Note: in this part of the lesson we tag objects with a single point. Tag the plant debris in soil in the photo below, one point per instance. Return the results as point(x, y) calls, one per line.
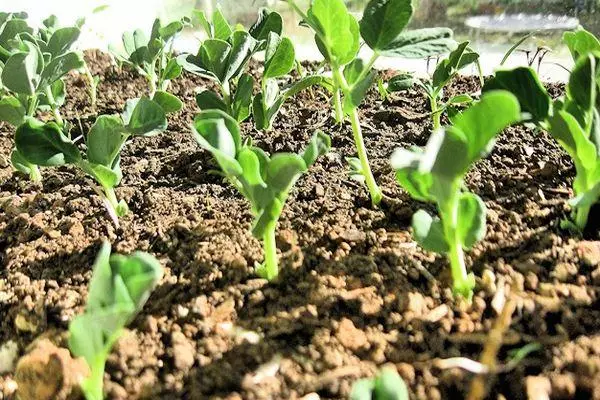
point(355, 291)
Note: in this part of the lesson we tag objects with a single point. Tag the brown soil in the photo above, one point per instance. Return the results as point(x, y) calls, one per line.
point(355, 291)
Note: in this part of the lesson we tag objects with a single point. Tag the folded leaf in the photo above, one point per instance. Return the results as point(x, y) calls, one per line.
point(429, 232)
point(45, 144)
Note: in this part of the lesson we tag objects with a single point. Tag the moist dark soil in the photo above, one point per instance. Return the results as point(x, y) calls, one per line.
point(355, 291)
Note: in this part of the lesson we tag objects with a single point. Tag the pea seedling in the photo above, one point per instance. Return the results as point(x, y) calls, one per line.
point(224, 57)
point(46, 144)
point(119, 288)
point(152, 57)
point(387, 385)
point(337, 34)
point(436, 174)
point(574, 120)
point(264, 181)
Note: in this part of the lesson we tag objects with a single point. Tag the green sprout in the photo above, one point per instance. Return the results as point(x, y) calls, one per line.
point(265, 181)
point(573, 120)
point(436, 174)
point(224, 57)
point(45, 144)
point(152, 57)
point(337, 34)
point(119, 288)
point(387, 385)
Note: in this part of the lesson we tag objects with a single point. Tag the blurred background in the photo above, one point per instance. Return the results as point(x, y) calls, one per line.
point(493, 26)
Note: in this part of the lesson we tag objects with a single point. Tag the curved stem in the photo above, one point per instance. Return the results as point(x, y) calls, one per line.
point(374, 190)
point(32, 105)
point(581, 217)
point(34, 173)
point(52, 102)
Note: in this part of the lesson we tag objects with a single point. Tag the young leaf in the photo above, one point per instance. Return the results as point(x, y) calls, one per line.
point(242, 98)
point(221, 28)
point(471, 226)
point(581, 42)
point(168, 102)
point(45, 144)
point(147, 118)
point(383, 21)
point(62, 40)
point(105, 140)
point(59, 67)
point(279, 58)
point(421, 43)
point(267, 22)
point(429, 232)
point(12, 111)
point(20, 73)
point(208, 100)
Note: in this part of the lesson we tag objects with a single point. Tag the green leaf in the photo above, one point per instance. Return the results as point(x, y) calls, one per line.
point(279, 58)
point(461, 99)
point(172, 70)
point(12, 111)
point(243, 98)
point(251, 167)
point(319, 145)
point(12, 29)
point(106, 176)
point(283, 170)
point(267, 22)
point(523, 83)
point(358, 92)
point(58, 93)
point(484, 120)
point(337, 28)
point(59, 67)
point(169, 31)
point(406, 163)
point(362, 389)
point(105, 140)
point(45, 144)
point(581, 42)
point(168, 102)
point(448, 67)
point(19, 162)
point(354, 70)
point(383, 21)
point(582, 87)
point(147, 118)
point(400, 82)
point(221, 28)
point(209, 100)
point(20, 73)
point(243, 46)
point(429, 232)
point(471, 219)
point(266, 216)
point(213, 56)
point(389, 386)
point(62, 40)
point(421, 43)
point(571, 136)
point(219, 133)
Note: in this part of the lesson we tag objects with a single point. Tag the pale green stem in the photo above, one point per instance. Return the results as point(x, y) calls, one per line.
point(337, 102)
point(52, 102)
point(34, 173)
point(93, 385)
point(226, 92)
point(93, 87)
point(32, 105)
point(581, 217)
point(271, 269)
point(436, 113)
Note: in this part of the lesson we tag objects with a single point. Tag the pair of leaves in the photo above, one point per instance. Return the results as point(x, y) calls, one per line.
point(119, 288)
point(436, 172)
point(217, 27)
point(220, 59)
point(265, 181)
point(447, 69)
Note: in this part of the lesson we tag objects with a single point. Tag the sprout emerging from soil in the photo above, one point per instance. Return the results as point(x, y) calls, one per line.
point(338, 33)
point(573, 120)
point(265, 181)
point(436, 174)
point(118, 290)
point(387, 385)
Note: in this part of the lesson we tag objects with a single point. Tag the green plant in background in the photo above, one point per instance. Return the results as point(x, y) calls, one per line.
point(265, 181)
point(444, 73)
point(573, 120)
point(436, 174)
point(32, 75)
point(152, 57)
point(337, 34)
point(224, 57)
point(45, 144)
point(119, 288)
point(387, 385)
point(398, 83)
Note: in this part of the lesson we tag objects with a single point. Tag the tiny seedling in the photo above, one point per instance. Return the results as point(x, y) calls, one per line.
point(46, 144)
point(387, 385)
point(224, 57)
point(436, 174)
point(398, 83)
point(152, 57)
point(574, 120)
point(280, 60)
point(444, 73)
point(265, 181)
point(337, 35)
point(119, 288)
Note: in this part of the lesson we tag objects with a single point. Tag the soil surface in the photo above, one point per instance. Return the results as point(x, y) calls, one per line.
point(355, 292)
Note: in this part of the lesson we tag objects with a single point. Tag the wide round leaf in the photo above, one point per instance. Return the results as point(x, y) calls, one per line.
point(45, 144)
point(20, 73)
point(383, 21)
point(62, 40)
point(105, 140)
point(429, 232)
point(169, 102)
point(147, 118)
point(280, 56)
